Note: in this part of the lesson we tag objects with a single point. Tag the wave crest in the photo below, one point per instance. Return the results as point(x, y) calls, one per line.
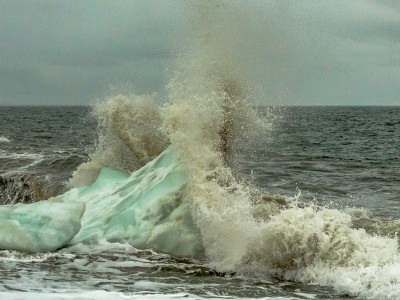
point(129, 136)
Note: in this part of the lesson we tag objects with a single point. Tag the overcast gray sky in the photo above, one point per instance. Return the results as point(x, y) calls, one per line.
point(309, 52)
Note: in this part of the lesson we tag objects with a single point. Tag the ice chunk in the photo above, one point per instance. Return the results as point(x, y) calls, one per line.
point(39, 227)
point(146, 209)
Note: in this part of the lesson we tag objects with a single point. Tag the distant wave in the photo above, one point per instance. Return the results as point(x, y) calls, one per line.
point(3, 139)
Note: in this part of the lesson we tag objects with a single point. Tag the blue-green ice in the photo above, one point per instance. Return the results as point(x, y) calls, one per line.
point(146, 209)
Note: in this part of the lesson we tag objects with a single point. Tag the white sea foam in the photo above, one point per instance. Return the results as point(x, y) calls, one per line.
point(7, 255)
point(99, 295)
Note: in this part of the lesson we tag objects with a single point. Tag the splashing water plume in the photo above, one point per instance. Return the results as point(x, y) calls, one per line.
point(129, 136)
point(208, 112)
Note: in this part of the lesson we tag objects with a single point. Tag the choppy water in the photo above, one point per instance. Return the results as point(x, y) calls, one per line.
point(39, 148)
point(125, 271)
point(336, 156)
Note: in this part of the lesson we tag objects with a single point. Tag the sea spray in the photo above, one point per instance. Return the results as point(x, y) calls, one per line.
point(129, 136)
point(207, 99)
point(208, 114)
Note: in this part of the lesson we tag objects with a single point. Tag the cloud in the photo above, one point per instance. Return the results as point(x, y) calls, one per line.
point(347, 52)
point(66, 52)
point(301, 52)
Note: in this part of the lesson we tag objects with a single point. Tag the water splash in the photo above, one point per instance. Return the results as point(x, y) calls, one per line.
point(242, 230)
point(129, 136)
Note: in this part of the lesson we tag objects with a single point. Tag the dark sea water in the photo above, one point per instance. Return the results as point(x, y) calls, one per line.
point(337, 155)
point(334, 156)
point(41, 146)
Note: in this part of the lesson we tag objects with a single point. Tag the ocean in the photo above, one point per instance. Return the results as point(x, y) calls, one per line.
point(336, 169)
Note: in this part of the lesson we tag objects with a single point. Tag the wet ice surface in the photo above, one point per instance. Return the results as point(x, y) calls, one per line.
point(122, 272)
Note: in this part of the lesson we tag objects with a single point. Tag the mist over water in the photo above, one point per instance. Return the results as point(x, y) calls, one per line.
point(222, 143)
